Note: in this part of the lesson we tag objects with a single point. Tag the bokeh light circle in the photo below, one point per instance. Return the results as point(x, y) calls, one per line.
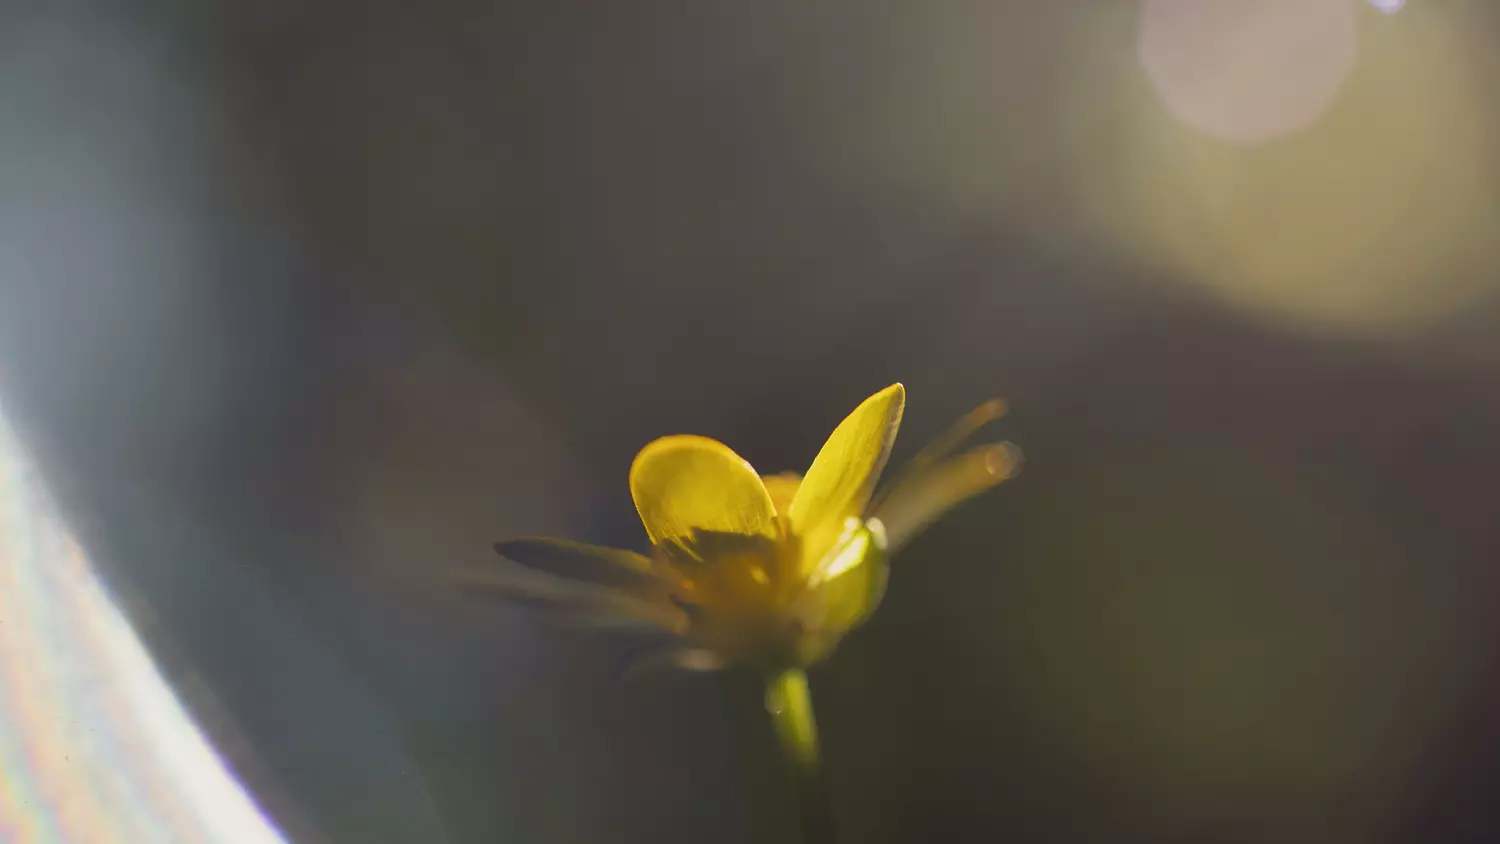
point(1246, 71)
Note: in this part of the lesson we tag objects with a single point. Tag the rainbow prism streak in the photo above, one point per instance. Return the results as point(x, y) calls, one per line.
point(94, 747)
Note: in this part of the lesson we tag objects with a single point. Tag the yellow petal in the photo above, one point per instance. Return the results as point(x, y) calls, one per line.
point(588, 563)
point(782, 489)
point(919, 499)
point(683, 484)
point(843, 589)
point(943, 447)
point(843, 475)
point(577, 601)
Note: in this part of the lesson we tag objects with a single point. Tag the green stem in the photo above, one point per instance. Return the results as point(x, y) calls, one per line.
point(789, 701)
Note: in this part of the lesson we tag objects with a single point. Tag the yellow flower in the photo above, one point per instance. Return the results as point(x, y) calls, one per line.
point(769, 571)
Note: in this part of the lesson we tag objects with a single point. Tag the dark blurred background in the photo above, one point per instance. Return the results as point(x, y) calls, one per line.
point(302, 303)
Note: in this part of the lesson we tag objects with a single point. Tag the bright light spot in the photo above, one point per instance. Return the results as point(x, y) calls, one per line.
point(850, 551)
point(1379, 216)
point(94, 747)
point(1247, 71)
point(1390, 7)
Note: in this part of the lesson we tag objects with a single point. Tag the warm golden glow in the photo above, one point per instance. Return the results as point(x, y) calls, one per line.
point(774, 571)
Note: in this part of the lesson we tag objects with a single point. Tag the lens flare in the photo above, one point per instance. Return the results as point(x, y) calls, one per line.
point(1247, 72)
point(1374, 216)
point(94, 747)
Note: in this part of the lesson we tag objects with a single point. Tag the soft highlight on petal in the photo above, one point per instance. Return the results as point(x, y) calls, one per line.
point(862, 546)
point(920, 498)
point(682, 484)
point(844, 589)
point(842, 477)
